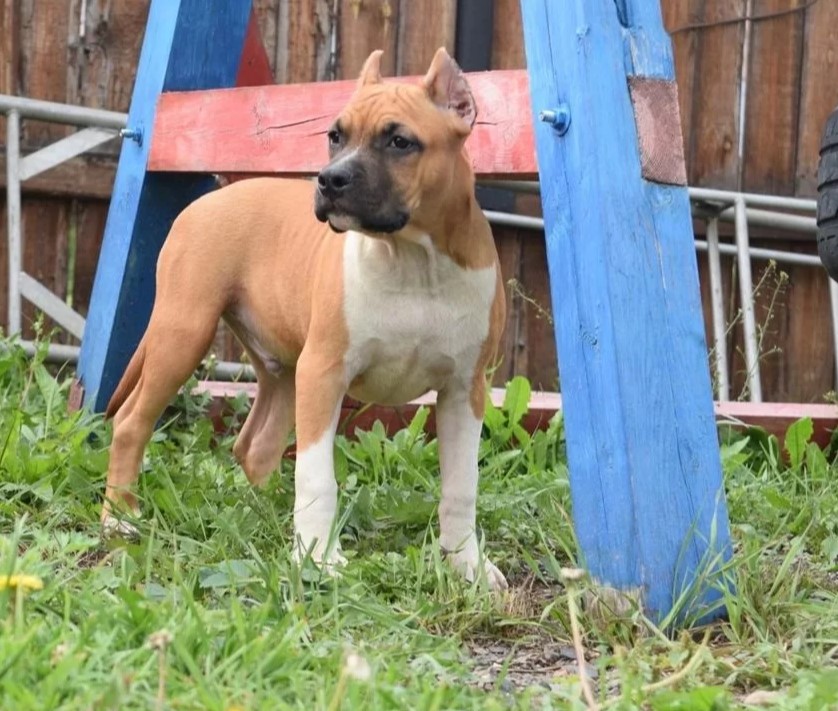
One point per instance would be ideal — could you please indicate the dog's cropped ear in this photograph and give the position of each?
(371, 71)
(447, 87)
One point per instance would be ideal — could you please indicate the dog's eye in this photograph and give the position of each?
(334, 137)
(400, 143)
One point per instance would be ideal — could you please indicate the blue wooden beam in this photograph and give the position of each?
(648, 502)
(186, 46)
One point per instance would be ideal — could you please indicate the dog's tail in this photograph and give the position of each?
(129, 381)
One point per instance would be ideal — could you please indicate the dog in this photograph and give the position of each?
(389, 288)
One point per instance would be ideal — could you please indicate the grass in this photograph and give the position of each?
(207, 611)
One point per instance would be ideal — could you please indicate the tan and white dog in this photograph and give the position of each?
(399, 294)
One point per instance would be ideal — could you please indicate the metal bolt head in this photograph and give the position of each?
(132, 134)
(558, 118)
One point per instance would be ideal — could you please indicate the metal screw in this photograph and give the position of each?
(558, 118)
(132, 134)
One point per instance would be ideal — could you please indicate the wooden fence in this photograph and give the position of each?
(49, 51)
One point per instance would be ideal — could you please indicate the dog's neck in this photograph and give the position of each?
(456, 226)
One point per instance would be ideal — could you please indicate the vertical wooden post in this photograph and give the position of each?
(187, 46)
(648, 502)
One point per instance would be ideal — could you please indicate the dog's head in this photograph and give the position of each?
(395, 149)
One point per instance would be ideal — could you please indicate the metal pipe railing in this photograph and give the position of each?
(714, 262)
(746, 294)
(62, 113)
(13, 218)
(781, 202)
(100, 125)
(805, 260)
(727, 197)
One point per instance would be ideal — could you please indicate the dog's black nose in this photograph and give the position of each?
(333, 181)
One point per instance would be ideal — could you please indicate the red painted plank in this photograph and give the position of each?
(774, 417)
(280, 129)
(255, 68)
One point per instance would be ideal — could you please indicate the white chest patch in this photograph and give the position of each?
(415, 318)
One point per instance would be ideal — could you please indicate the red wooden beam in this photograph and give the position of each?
(280, 129)
(774, 417)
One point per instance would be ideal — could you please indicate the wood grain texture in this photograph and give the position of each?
(367, 25)
(772, 116)
(508, 243)
(423, 28)
(628, 324)
(9, 46)
(46, 260)
(88, 218)
(508, 36)
(268, 17)
(712, 145)
(184, 48)
(304, 46)
(103, 47)
(281, 129)
(819, 90)
(538, 356)
(678, 13)
(43, 39)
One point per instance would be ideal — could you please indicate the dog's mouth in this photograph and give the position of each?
(343, 220)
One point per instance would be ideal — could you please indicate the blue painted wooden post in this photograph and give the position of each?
(187, 46)
(648, 503)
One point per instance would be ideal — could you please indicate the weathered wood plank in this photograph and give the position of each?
(819, 92)
(713, 141)
(508, 36)
(44, 253)
(44, 27)
(367, 25)
(89, 218)
(772, 114)
(281, 129)
(678, 14)
(628, 324)
(423, 28)
(268, 17)
(303, 52)
(538, 335)
(185, 48)
(9, 46)
(508, 243)
(102, 48)
(83, 177)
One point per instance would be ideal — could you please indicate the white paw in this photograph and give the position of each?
(471, 567)
(113, 527)
(329, 561)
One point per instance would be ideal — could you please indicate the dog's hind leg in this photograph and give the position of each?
(263, 438)
(173, 346)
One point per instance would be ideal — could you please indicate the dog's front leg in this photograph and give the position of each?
(320, 389)
(458, 430)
